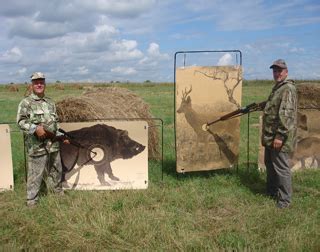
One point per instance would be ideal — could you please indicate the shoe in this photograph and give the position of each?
(59, 193)
(32, 204)
(282, 205)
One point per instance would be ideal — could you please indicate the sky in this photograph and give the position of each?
(136, 40)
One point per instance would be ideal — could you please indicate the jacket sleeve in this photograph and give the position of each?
(23, 119)
(58, 133)
(287, 114)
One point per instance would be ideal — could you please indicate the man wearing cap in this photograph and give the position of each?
(38, 120)
(279, 134)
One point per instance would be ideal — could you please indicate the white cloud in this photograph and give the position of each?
(153, 49)
(33, 29)
(225, 60)
(296, 49)
(124, 50)
(154, 56)
(82, 70)
(105, 29)
(125, 45)
(11, 56)
(124, 70)
(84, 40)
(119, 8)
(22, 71)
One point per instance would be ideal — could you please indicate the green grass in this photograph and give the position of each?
(216, 210)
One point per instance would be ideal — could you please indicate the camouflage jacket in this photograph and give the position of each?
(280, 116)
(33, 111)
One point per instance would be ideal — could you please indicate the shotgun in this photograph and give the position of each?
(239, 112)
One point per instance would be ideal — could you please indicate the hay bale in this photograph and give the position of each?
(59, 86)
(309, 108)
(308, 95)
(28, 90)
(88, 88)
(109, 102)
(13, 88)
(76, 86)
(77, 110)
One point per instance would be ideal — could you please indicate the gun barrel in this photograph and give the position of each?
(241, 111)
(75, 143)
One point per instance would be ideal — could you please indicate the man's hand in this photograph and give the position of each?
(40, 132)
(277, 144)
(66, 141)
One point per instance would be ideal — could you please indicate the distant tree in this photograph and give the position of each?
(147, 81)
(58, 81)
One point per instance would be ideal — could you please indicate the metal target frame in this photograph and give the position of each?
(238, 55)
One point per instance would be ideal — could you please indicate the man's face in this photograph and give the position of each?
(38, 87)
(279, 74)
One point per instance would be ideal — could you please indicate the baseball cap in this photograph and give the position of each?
(279, 63)
(37, 75)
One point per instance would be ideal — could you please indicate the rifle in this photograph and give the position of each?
(51, 135)
(239, 112)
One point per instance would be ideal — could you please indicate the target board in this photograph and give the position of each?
(6, 178)
(105, 155)
(307, 151)
(204, 94)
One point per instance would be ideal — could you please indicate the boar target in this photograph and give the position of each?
(98, 150)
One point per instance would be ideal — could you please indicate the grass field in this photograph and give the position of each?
(217, 210)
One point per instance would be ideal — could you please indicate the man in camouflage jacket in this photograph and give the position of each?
(279, 134)
(38, 120)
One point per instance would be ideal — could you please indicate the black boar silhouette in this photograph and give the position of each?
(98, 145)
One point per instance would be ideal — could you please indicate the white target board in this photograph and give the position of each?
(6, 177)
(105, 155)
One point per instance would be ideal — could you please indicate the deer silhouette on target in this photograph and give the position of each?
(97, 145)
(204, 94)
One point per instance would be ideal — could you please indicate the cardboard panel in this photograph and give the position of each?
(307, 153)
(204, 94)
(6, 168)
(106, 155)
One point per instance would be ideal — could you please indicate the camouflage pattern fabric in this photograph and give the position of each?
(280, 116)
(33, 111)
(45, 168)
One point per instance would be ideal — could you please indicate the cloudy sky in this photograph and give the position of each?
(136, 40)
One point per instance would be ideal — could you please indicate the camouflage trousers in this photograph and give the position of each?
(45, 168)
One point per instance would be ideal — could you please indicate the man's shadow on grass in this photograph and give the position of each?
(249, 175)
(252, 178)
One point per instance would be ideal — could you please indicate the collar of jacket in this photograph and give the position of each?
(278, 85)
(37, 98)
